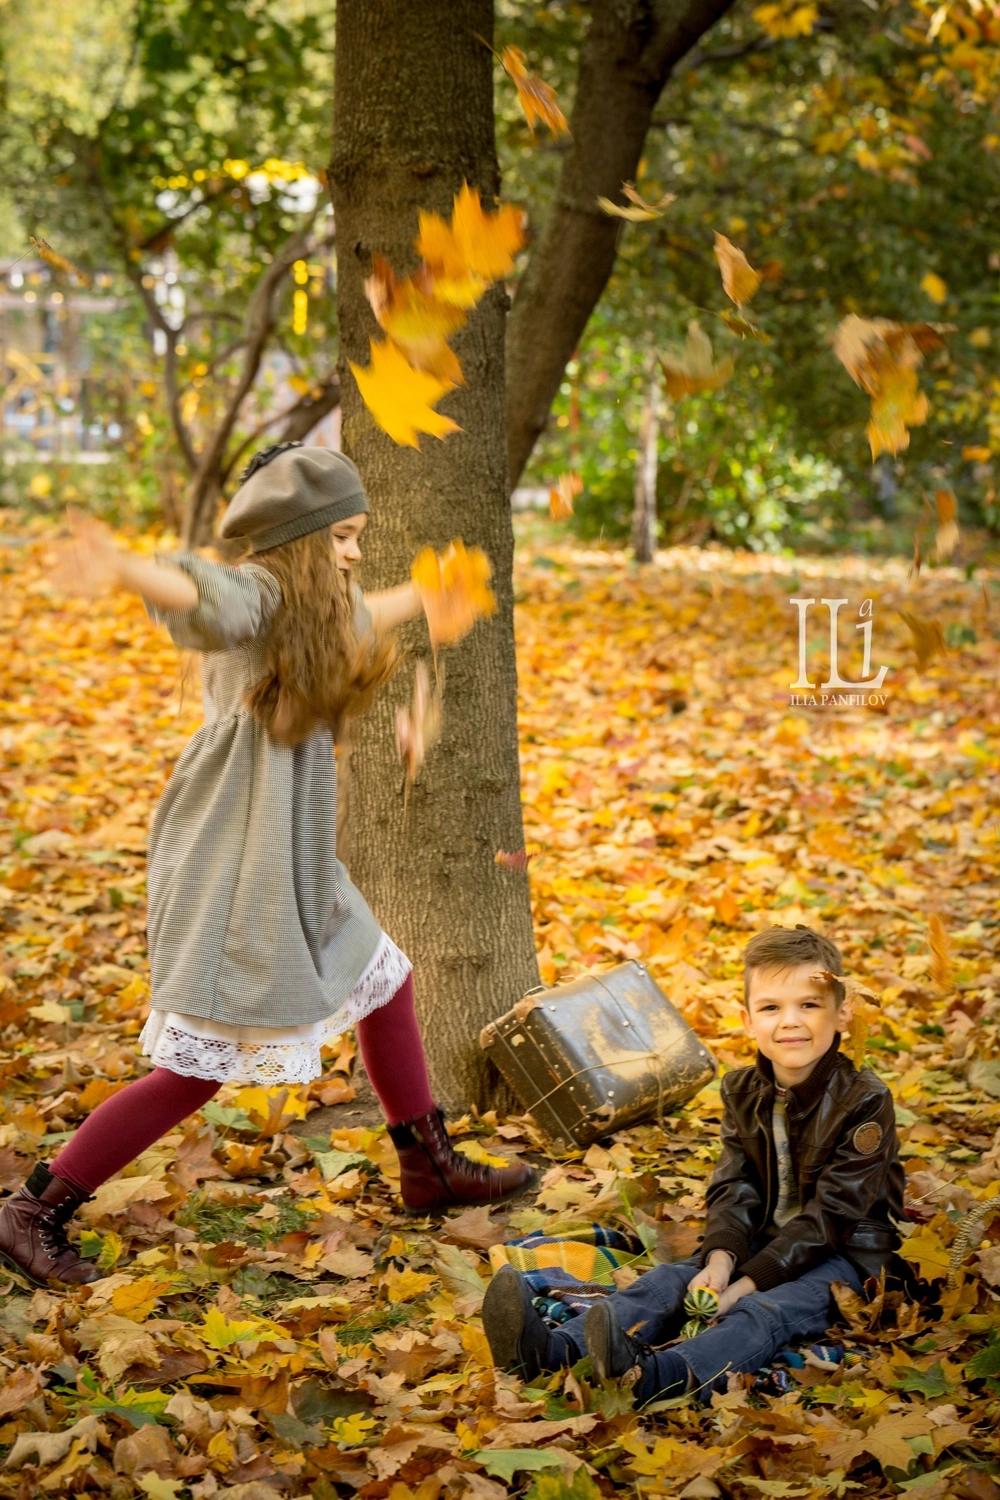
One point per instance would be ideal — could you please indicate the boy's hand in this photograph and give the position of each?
(729, 1298)
(715, 1273)
(89, 562)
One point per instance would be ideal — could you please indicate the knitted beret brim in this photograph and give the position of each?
(348, 505)
(298, 491)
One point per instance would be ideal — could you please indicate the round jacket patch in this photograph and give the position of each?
(867, 1138)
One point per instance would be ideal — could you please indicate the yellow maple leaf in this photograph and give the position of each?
(416, 319)
(400, 398)
(476, 244)
(692, 368)
(924, 1249)
(739, 279)
(454, 589)
(882, 357)
(138, 1298)
(562, 495)
(538, 99)
(404, 1285)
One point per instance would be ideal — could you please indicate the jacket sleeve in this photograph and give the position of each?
(234, 604)
(847, 1189)
(733, 1202)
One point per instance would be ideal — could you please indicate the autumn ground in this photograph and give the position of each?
(268, 1322)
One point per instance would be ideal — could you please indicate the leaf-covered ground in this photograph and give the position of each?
(269, 1322)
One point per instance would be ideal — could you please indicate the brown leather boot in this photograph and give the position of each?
(434, 1175)
(33, 1239)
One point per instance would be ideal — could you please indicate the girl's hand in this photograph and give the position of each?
(89, 562)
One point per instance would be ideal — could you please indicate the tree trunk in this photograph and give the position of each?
(644, 514)
(629, 52)
(413, 118)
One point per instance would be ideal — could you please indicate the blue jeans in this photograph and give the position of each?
(744, 1338)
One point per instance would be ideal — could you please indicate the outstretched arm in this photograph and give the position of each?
(92, 562)
(391, 607)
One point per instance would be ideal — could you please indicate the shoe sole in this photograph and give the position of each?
(23, 1277)
(503, 1319)
(445, 1205)
(596, 1335)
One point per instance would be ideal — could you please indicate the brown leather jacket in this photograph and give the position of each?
(842, 1133)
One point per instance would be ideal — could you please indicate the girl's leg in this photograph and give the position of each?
(432, 1174)
(393, 1054)
(121, 1128)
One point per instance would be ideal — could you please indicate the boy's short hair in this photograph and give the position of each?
(786, 948)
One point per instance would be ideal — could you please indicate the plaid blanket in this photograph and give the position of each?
(567, 1273)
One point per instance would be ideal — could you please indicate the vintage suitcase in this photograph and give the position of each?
(597, 1053)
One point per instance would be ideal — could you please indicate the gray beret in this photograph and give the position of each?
(298, 491)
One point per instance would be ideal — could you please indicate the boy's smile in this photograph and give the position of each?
(793, 1017)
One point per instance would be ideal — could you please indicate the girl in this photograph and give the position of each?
(260, 947)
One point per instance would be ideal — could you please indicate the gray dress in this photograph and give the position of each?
(253, 920)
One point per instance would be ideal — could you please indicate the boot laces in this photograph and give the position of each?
(52, 1230)
(476, 1171)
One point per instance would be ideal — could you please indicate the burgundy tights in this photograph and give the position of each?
(128, 1122)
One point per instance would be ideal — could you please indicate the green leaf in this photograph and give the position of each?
(228, 1119)
(333, 1163)
(986, 1364)
(563, 1487)
(929, 1382)
(503, 1463)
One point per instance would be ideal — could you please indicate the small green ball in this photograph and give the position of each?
(702, 1302)
(692, 1328)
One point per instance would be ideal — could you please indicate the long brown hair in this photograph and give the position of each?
(317, 670)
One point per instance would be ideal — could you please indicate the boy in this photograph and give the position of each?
(804, 1194)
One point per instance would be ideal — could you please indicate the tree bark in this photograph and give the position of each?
(629, 52)
(413, 118)
(644, 513)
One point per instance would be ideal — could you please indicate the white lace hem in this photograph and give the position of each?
(198, 1048)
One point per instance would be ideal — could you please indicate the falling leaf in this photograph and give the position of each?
(977, 453)
(691, 369)
(517, 859)
(415, 319)
(941, 964)
(882, 357)
(476, 246)
(640, 210)
(56, 261)
(946, 537)
(739, 279)
(454, 589)
(928, 637)
(562, 495)
(400, 398)
(743, 328)
(538, 99)
(418, 725)
(935, 288)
